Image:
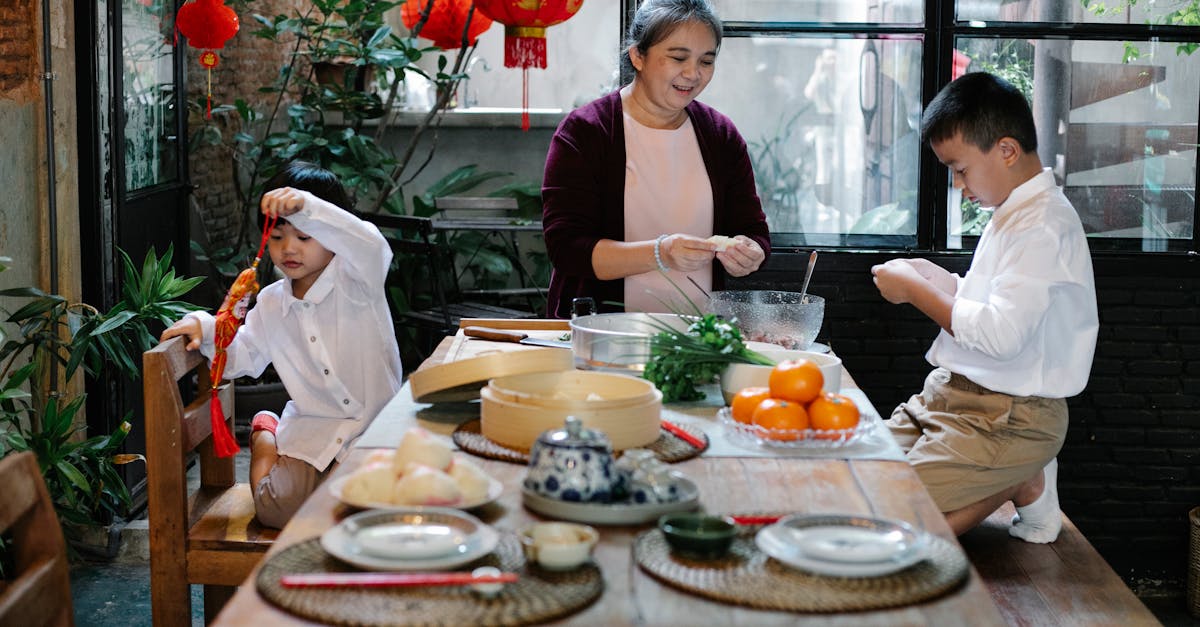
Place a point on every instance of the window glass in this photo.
(1176, 12)
(885, 11)
(150, 106)
(832, 126)
(1119, 133)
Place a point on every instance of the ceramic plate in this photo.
(844, 546)
(338, 486)
(611, 513)
(418, 538)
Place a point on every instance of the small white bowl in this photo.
(558, 545)
(735, 377)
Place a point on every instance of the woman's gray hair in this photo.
(655, 20)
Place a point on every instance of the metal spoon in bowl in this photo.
(812, 261)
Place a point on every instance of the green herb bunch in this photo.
(680, 361)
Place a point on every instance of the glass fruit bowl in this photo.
(754, 435)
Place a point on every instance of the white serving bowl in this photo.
(735, 377)
(558, 545)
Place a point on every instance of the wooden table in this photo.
(728, 484)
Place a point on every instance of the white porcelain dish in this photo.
(338, 486)
(844, 546)
(393, 540)
(621, 513)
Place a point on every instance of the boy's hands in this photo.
(189, 327)
(897, 280)
(283, 202)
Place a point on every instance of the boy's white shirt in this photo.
(1024, 316)
(334, 350)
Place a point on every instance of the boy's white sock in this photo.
(1041, 520)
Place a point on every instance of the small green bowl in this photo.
(698, 535)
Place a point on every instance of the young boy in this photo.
(1018, 331)
(326, 328)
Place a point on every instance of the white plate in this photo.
(843, 546)
(758, 347)
(338, 487)
(356, 542)
(621, 513)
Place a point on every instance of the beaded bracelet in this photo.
(662, 267)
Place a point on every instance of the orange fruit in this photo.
(829, 412)
(777, 415)
(796, 380)
(745, 402)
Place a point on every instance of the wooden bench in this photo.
(1065, 582)
(211, 536)
(38, 591)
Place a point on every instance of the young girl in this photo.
(327, 329)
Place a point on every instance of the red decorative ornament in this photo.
(207, 24)
(446, 20)
(525, 23)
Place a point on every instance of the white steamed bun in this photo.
(420, 446)
(371, 484)
(422, 485)
(471, 479)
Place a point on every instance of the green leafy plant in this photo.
(321, 118)
(1184, 13)
(54, 339)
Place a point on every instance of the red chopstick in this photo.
(388, 580)
(683, 435)
(756, 520)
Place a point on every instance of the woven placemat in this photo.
(746, 576)
(539, 595)
(668, 448)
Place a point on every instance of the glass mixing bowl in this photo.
(780, 318)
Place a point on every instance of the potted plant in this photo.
(54, 339)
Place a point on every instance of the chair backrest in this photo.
(413, 235)
(177, 391)
(40, 591)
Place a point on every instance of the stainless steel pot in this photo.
(618, 342)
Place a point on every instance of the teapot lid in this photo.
(575, 435)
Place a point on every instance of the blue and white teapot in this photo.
(573, 464)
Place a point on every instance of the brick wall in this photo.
(1130, 468)
(19, 62)
(246, 63)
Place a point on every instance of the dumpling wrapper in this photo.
(422, 485)
(723, 242)
(421, 447)
(371, 484)
(471, 480)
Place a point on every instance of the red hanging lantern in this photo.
(446, 20)
(525, 23)
(207, 24)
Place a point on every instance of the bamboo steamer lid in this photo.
(574, 390)
(517, 425)
(461, 380)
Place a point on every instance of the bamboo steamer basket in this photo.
(461, 380)
(574, 390)
(518, 423)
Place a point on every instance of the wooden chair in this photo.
(210, 537)
(412, 241)
(40, 591)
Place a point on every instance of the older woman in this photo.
(646, 187)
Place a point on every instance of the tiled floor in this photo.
(117, 594)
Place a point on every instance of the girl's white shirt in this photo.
(334, 350)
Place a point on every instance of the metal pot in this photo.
(618, 342)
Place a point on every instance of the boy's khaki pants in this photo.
(967, 442)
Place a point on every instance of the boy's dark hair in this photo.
(984, 108)
(311, 178)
